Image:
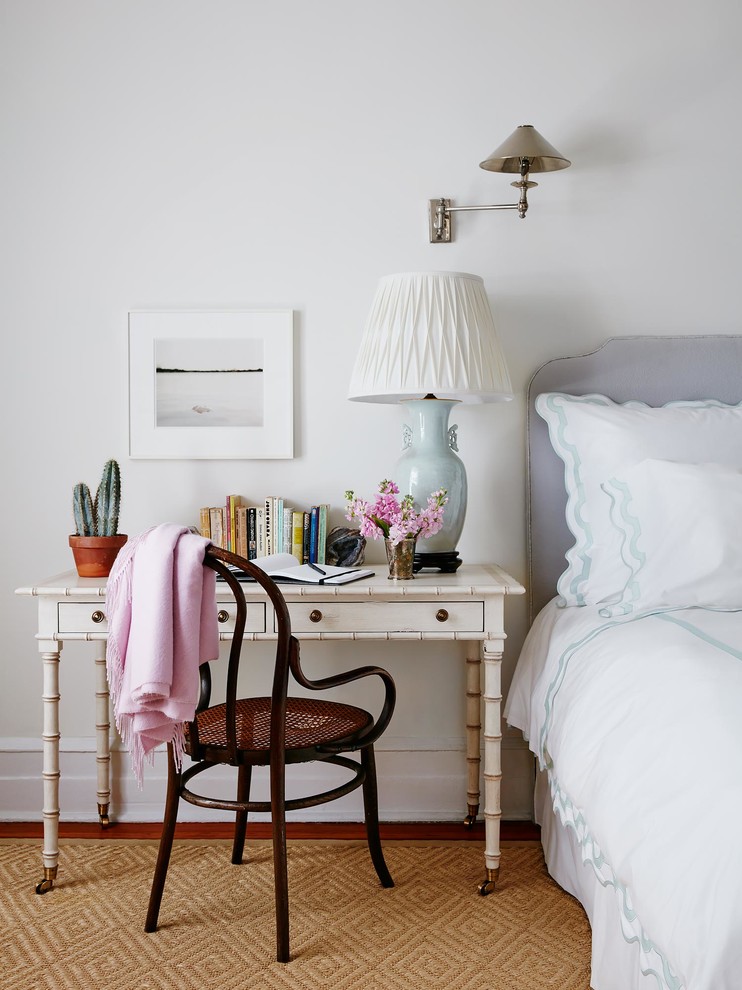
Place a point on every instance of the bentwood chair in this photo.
(273, 731)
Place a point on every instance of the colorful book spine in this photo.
(288, 529)
(216, 517)
(268, 522)
(231, 517)
(305, 541)
(260, 529)
(322, 533)
(252, 532)
(241, 527)
(278, 525)
(313, 533)
(297, 538)
(204, 526)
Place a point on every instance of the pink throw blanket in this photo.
(161, 607)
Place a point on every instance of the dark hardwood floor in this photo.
(411, 831)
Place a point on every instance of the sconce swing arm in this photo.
(440, 210)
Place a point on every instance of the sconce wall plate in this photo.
(439, 221)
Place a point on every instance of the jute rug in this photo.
(431, 931)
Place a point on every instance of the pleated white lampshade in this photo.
(430, 332)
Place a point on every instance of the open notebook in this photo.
(284, 568)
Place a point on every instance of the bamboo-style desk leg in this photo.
(102, 740)
(473, 737)
(492, 656)
(50, 766)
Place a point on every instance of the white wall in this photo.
(181, 154)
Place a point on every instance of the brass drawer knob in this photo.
(442, 614)
(315, 615)
(98, 616)
(222, 615)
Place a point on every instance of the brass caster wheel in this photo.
(470, 821)
(50, 874)
(103, 819)
(488, 884)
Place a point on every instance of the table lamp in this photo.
(430, 342)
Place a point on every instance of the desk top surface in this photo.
(470, 579)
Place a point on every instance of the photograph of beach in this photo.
(209, 383)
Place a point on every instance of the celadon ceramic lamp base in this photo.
(428, 463)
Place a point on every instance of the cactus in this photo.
(82, 507)
(99, 517)
(108, 500)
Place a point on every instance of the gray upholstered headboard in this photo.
(652, 369)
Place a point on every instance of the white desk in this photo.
(466, 605)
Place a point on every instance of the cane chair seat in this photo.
(310, 723)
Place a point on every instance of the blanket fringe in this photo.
(136, 751)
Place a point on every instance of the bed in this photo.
(629, 685)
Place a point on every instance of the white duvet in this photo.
(638, 721)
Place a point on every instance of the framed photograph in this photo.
(211, 385)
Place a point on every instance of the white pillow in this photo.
(681, 532)
(597, 439)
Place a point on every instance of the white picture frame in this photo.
(216, 385)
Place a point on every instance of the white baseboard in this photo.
(419, 780)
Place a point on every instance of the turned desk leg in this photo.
(492, 656)
(50, 769)
(102, 740)
(473, 737)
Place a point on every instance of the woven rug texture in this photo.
(432, 931)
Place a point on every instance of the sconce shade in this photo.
(525, 142)
(430, 333)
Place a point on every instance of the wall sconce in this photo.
(525, 151)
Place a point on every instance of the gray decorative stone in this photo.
(345, 547)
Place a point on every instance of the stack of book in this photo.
(267, 528)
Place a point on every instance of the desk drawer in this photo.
(82, 617)
(372, 616)
(88, 617)
(254, 621)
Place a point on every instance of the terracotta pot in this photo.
(94, 555)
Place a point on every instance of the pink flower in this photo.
(393, 518)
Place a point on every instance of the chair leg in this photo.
(166, 841)
(244, 778)
(371, 813)
(280, 862)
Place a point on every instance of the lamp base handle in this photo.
(447, 561)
